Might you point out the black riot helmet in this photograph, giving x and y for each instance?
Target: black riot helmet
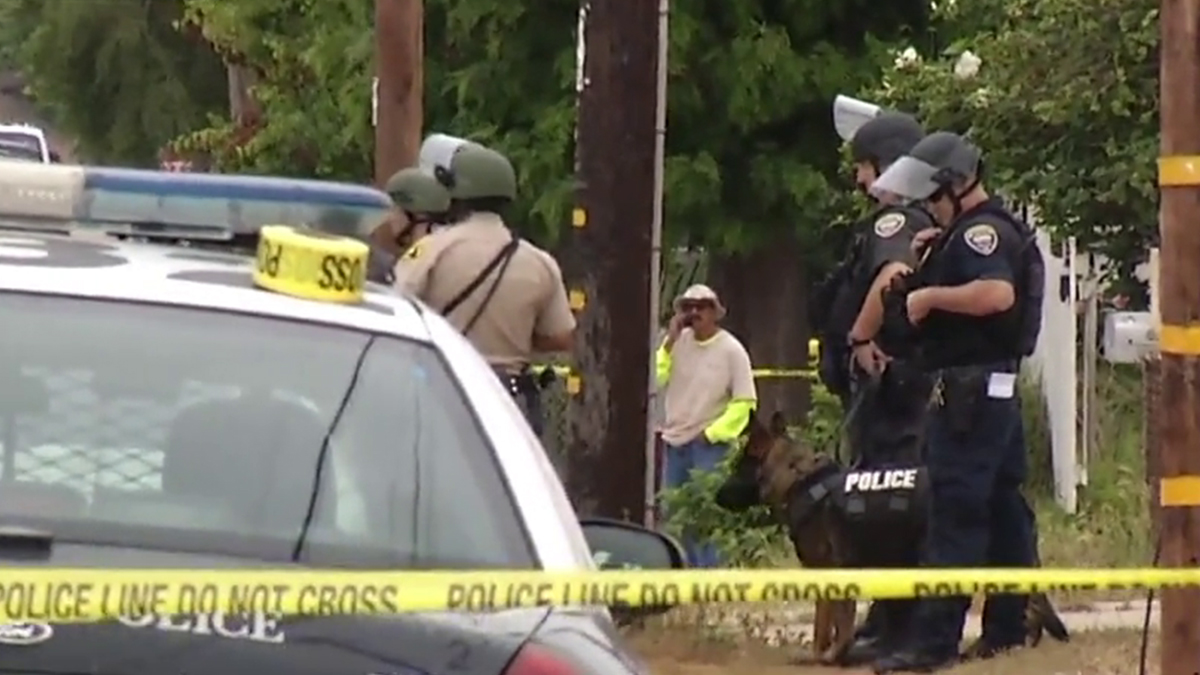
(932, 168)
(885, 139)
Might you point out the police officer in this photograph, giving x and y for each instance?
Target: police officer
(420, 204)
(977, 313)
(424, 202)
(504, 294)
(887, 397)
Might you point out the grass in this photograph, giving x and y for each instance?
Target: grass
(698, 653)
(1112, 527)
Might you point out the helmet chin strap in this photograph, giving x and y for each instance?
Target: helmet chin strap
(956, 198)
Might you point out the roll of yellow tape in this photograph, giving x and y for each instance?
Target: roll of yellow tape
(312, 265)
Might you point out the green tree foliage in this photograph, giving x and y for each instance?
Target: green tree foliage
(17, 21)
(1065, 104)
(115, 74)
(751, 146)
(312, 58)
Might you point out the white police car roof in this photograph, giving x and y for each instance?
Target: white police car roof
(102, 267)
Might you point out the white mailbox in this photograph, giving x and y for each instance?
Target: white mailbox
(1128, 337)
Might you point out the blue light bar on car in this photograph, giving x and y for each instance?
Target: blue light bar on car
(190, 206)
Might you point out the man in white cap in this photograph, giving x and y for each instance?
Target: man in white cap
(709, 395)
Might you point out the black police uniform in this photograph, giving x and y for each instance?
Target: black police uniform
(976, 441)
(885, 417)
(886, 424)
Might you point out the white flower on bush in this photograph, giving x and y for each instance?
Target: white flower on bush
(980, 98)
(967, 65)
(908, 58)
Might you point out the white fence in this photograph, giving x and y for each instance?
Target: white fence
(1074, 284)
(1055, 366)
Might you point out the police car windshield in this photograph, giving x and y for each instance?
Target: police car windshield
(20, 146)
(186, 430)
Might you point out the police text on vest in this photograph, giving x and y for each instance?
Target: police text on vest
(877, 481)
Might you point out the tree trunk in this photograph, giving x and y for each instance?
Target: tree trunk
(243, 109)
(766, 294)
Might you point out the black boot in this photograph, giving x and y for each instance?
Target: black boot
(881, 634)
(914, 662)
(865, 649)
(983, 649)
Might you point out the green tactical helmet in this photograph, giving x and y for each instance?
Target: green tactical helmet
(477, 172)
(417, 191)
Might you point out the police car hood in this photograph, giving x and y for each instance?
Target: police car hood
(407, 644)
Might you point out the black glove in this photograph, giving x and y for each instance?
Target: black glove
(897, 329)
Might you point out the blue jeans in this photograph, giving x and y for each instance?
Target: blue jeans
(678, 463)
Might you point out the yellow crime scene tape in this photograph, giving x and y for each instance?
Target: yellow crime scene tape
(71, 595)
(814, 347)
(312, 265)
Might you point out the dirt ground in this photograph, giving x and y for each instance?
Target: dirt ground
(1094, 653)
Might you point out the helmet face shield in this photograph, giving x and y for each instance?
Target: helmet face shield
(908, 178)
(849, 114)
(437, 152)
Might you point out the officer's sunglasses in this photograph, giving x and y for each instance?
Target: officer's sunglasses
(696, 306)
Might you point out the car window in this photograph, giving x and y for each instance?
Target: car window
(20, 146)
(182, 429)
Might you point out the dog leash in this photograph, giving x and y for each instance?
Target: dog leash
(856, 403)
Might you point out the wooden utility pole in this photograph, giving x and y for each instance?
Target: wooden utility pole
(1179, 339)
(399, 67)
(608, 266)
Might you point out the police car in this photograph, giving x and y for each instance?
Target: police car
(178, 405)
(24, 142)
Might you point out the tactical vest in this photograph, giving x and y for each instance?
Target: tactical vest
(1030, 280)
(833, 310)
(950, 339)
(885, 510)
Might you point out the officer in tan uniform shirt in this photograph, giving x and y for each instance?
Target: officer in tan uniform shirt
(424, 202)
(504, 294)
(420, 203)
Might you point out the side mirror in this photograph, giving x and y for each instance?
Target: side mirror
(617, 545)
(620, 545)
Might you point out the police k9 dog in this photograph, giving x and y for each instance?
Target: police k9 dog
(843, 519)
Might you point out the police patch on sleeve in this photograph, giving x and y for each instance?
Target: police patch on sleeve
(413, 251)
(889, 224)
(982, 239)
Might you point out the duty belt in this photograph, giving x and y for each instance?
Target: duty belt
(520, 383)
(937, 398)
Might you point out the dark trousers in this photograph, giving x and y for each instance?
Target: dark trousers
(998, 629)
(887, 427)
(979, 517)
